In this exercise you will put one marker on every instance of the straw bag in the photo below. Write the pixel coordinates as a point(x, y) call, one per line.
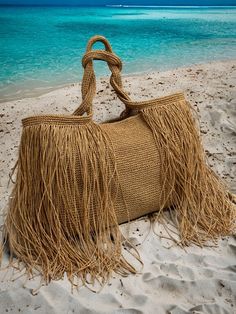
point(77, 180)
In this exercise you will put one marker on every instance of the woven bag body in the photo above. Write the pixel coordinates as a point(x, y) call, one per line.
point(138, 166)
point(139, 188)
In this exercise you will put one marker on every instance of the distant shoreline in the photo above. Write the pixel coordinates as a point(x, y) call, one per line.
point(123, 6)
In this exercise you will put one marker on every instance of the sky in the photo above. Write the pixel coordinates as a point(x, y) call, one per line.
point(110, 2)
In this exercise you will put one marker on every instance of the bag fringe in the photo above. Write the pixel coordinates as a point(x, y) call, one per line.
point(203, 209)
point(57, 223)
point(61, 217)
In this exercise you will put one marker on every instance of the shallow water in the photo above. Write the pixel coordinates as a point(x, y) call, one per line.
point(41, 47)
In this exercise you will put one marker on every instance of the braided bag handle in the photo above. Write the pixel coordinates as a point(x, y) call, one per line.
point(88, 88)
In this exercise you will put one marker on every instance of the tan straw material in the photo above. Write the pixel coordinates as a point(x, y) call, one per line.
point(77, 180)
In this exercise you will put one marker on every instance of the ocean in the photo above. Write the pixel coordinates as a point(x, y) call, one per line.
point(41, 47)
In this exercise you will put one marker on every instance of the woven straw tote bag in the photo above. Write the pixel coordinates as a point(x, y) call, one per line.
point(78, 180)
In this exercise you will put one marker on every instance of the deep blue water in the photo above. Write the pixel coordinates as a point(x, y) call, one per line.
point(41, 47)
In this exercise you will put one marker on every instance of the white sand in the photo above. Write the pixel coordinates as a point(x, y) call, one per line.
point(172, 280)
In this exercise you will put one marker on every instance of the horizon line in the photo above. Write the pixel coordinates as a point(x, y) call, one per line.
point(116, 5)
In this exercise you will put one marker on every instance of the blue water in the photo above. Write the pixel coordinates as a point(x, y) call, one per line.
point(41, 47)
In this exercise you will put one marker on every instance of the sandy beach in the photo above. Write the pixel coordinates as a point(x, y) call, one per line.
point(172, 280)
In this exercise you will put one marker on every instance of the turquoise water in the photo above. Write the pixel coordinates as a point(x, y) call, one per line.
point(42, 47)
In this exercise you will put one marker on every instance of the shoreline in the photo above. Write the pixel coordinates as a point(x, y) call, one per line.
point(45, 91)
